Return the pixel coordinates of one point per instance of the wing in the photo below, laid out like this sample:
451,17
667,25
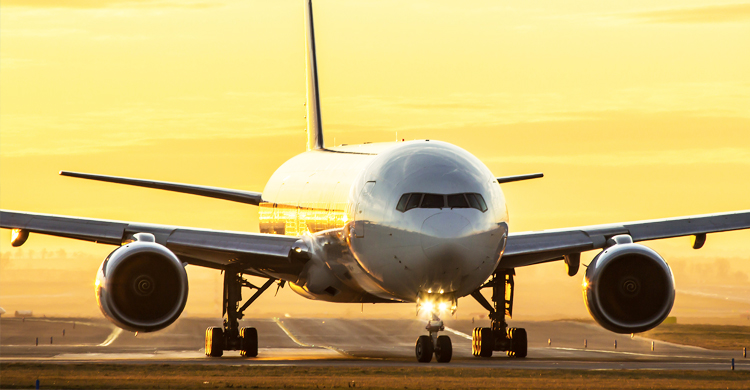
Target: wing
240,196
508,179
259,254
548,245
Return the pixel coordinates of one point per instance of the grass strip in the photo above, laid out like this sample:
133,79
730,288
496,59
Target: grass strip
171,376
724,337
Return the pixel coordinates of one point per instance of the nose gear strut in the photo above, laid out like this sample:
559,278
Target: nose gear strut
440,346
498,337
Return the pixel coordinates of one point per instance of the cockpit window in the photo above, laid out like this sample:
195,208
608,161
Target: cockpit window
482,205
473,202
432,201
402,202
414,201
476,201
457,201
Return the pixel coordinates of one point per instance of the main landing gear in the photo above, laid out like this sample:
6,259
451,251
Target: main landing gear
231,337
498,337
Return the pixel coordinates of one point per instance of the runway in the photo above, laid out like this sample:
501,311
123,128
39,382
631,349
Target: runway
348,342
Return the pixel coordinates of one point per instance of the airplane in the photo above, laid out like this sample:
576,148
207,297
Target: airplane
421,221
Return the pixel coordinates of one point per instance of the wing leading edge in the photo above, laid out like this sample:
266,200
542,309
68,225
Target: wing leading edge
260,254
240,196
530,248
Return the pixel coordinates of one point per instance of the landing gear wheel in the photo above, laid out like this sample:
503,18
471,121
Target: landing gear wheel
482,342
518,342
249,337
444,350
214,341
424,349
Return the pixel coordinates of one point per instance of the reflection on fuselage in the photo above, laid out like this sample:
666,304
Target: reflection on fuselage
310,192
292,220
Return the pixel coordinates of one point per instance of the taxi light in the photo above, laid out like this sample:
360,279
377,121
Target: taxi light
443,306
428,306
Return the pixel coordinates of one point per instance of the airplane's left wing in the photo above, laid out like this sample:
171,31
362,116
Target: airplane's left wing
260,254
529,248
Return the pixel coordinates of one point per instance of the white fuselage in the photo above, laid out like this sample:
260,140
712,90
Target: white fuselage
344,201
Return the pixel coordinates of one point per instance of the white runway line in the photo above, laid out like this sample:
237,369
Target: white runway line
457,333
288,333
652,355
300,343
112,337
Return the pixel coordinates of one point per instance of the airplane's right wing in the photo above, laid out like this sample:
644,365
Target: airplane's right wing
267,255
530,248
239,196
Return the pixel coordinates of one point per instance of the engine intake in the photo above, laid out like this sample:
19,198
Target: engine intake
628,288
142,286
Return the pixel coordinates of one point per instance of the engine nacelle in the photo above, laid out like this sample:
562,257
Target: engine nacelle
628,288
142,286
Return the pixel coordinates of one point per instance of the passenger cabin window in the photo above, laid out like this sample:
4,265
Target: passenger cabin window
438,201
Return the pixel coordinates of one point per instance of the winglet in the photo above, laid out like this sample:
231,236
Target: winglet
507,179
314,125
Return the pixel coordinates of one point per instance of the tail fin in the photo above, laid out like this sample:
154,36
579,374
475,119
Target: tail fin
314,125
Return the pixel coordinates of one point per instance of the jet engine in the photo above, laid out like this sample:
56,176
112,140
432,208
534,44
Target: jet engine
142,286
628,288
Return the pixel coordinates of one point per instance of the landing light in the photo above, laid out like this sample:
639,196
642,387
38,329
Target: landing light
585,283
443,306
428,306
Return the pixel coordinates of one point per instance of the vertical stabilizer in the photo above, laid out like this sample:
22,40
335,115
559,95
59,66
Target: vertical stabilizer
314,125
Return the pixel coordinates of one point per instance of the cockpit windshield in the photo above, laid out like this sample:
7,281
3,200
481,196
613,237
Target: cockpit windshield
439,201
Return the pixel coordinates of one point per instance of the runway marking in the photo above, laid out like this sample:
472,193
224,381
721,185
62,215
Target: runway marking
300,343
112,337
637,353
461,334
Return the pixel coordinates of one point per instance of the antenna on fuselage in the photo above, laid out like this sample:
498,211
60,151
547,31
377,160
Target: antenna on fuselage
314,124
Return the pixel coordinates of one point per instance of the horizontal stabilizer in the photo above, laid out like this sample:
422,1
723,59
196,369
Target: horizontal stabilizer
240,196
508,179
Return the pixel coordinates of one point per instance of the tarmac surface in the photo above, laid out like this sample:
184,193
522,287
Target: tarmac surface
347,342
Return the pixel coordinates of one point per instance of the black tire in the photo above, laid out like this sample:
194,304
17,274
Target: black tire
424,349
482,342
518,342
214,341
249,342
444,351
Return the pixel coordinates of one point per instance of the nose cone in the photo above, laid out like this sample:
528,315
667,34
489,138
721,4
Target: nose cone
457,253
443,235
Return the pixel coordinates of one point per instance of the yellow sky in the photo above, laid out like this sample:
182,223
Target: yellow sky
633,111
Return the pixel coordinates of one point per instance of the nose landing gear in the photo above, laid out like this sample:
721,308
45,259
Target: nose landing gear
440,346
498,337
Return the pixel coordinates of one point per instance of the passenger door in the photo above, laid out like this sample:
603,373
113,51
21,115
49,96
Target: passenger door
360,215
